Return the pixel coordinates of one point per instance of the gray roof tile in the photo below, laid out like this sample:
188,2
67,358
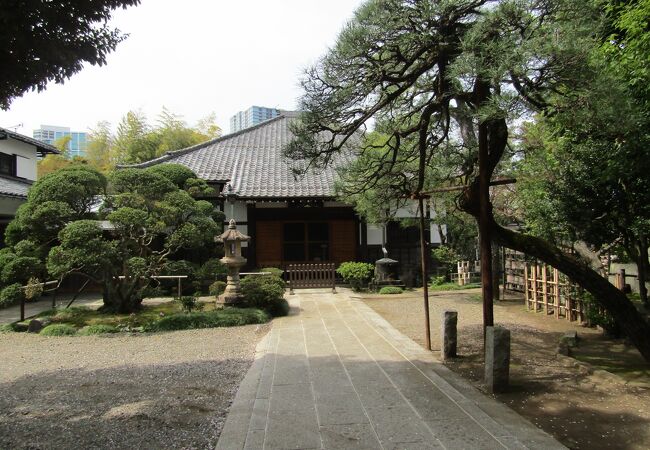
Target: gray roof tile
12,187
252,161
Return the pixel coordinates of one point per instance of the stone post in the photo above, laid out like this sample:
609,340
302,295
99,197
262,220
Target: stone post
449,335
497,358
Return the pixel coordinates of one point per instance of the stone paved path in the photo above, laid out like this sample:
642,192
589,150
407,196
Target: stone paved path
335,375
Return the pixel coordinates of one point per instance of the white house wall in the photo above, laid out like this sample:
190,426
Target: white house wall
374,234
26,157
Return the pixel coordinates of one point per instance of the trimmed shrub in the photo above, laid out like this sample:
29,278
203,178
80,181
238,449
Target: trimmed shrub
217,288
190,302
11,295
228,317
175,173
20,269
265,292
437,281
391,290
357,274
59,329
97,329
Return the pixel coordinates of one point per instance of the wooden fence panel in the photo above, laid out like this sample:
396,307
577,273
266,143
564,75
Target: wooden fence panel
311,275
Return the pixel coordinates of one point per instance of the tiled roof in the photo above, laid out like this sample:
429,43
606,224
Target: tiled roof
12,187
41,147
252,161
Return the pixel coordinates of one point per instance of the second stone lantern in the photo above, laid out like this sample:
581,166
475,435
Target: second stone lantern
233,260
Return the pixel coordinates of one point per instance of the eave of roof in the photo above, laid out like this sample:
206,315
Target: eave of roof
14,187
41,147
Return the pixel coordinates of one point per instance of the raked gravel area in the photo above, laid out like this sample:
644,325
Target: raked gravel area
163,390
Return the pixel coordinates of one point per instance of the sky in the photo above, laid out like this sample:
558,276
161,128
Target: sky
194,57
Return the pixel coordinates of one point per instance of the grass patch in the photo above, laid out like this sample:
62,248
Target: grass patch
97,329
453,286
391,290
7,328
59,329
227,317
165,316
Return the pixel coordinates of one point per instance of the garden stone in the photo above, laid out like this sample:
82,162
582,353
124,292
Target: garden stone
36,325
449,344
497,358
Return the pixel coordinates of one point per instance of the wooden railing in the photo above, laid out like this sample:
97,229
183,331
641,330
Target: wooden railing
311,275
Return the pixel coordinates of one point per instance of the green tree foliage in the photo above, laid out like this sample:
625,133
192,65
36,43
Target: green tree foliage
144,219
137,140
585,175
43,41
445,82
99,145
148,219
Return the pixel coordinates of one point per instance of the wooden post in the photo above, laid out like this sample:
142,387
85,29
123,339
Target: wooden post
622,280
22,308
180,289
556,292
545,288
526,293
534,285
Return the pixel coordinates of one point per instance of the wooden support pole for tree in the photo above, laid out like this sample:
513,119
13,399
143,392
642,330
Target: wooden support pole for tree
425,287
485,240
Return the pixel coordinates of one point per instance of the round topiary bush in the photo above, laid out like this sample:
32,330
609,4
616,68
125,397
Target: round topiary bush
357,274
391,290
59,329
11,295
98,329
265,292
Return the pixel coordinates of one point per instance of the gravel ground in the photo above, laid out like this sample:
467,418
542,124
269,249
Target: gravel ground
165,390
582,408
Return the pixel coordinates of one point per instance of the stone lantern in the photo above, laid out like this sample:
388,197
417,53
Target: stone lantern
234,261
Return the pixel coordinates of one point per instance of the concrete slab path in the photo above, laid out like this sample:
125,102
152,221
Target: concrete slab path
336,375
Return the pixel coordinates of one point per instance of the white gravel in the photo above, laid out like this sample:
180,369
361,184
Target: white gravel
165,390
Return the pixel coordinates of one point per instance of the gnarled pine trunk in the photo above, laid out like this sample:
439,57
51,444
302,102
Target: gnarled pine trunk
614,301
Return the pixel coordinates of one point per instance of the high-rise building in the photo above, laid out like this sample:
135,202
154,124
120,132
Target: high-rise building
252,116
49,134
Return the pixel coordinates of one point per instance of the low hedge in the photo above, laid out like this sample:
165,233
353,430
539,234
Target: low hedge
227,317
59,329
97,329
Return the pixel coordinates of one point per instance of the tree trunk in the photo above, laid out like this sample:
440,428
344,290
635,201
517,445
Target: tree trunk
496,271
615,302
119,298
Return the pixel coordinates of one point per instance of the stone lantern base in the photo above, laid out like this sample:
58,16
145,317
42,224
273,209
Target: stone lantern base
230,300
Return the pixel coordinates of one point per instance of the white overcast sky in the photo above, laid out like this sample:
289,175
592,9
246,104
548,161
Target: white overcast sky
194,57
